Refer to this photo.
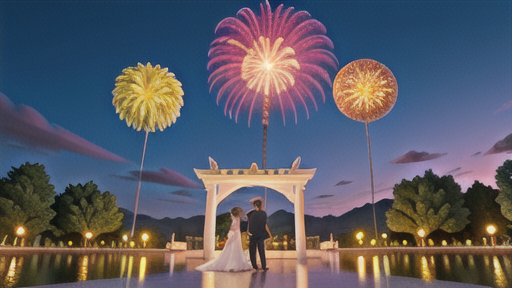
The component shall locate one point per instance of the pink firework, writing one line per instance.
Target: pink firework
(280, 58)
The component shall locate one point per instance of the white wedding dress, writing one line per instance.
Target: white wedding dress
(232, 257)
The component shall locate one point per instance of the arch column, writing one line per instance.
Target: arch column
(300, 227)
(209, 221)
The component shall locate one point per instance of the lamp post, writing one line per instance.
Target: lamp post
(125, 239)
(421, 233)
(360, 236)
(145, 238)
(88, 236)
(20, 231)
(491, 229)
(385, 237)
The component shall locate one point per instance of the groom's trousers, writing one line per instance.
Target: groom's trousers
(260, 244)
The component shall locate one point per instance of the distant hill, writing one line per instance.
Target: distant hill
(280, 222)
(193, 226)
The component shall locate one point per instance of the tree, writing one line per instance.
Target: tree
(25, 199)
(427, 203)
(481, 202)
(223, 223)
(85, 208)
(504, 182)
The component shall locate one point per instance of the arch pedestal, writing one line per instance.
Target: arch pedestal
(220, 183)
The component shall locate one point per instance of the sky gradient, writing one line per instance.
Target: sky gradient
(59, 60)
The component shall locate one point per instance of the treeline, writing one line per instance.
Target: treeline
(436, 208)
(28, 200)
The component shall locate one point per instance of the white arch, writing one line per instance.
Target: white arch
(220, 183)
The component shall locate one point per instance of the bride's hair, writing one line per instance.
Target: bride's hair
(236, 211)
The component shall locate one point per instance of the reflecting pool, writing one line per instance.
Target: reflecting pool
(323, 269)
(24, 269)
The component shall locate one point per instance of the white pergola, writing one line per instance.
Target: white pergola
(220, 183)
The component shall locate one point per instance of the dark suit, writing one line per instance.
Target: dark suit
(257, 227)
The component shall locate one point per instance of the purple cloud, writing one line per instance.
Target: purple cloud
(26, 126)
(504, 107)
(181, 201)
(504, 145)
(323, 196)
(452, 171)
(343, 182)
(476, 154)
(131, 178)
(168, 177)
(182, 193)
(414, 156)
(463, 173)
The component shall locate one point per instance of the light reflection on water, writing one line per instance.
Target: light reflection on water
(489, 270)
(369, 269)
(53, 268)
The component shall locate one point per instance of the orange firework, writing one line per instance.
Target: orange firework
(365, 90)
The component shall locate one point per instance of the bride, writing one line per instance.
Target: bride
(232, 257)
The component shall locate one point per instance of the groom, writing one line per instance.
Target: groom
(258, 230)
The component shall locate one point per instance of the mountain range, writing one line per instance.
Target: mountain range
(281, 222)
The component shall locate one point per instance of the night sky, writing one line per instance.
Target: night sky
(59, 61)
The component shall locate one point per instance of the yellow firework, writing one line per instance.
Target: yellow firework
(148, 97)
(365, 90)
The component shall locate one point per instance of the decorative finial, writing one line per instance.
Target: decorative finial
(296, 163)
(254, 168)
(213, 164)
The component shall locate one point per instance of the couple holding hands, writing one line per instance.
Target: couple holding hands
(232, 257)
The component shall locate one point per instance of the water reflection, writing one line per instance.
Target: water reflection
(43, 268)
(215, 279)
(83, 268)
(123, 266)
(142, 269)
(13, 273)
(376, 271)
(426, 275)
(508, 267)
(301, 276)
(499, 276)
(361, 269)
(385, 261)
(488, 270)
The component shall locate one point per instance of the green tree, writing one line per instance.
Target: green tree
(504, 182)
(481, 202)
(25, 200)
(85, 208)
(222, 225)
(427, 203)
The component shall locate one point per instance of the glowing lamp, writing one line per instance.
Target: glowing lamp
(20, 231)
(491, 229)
